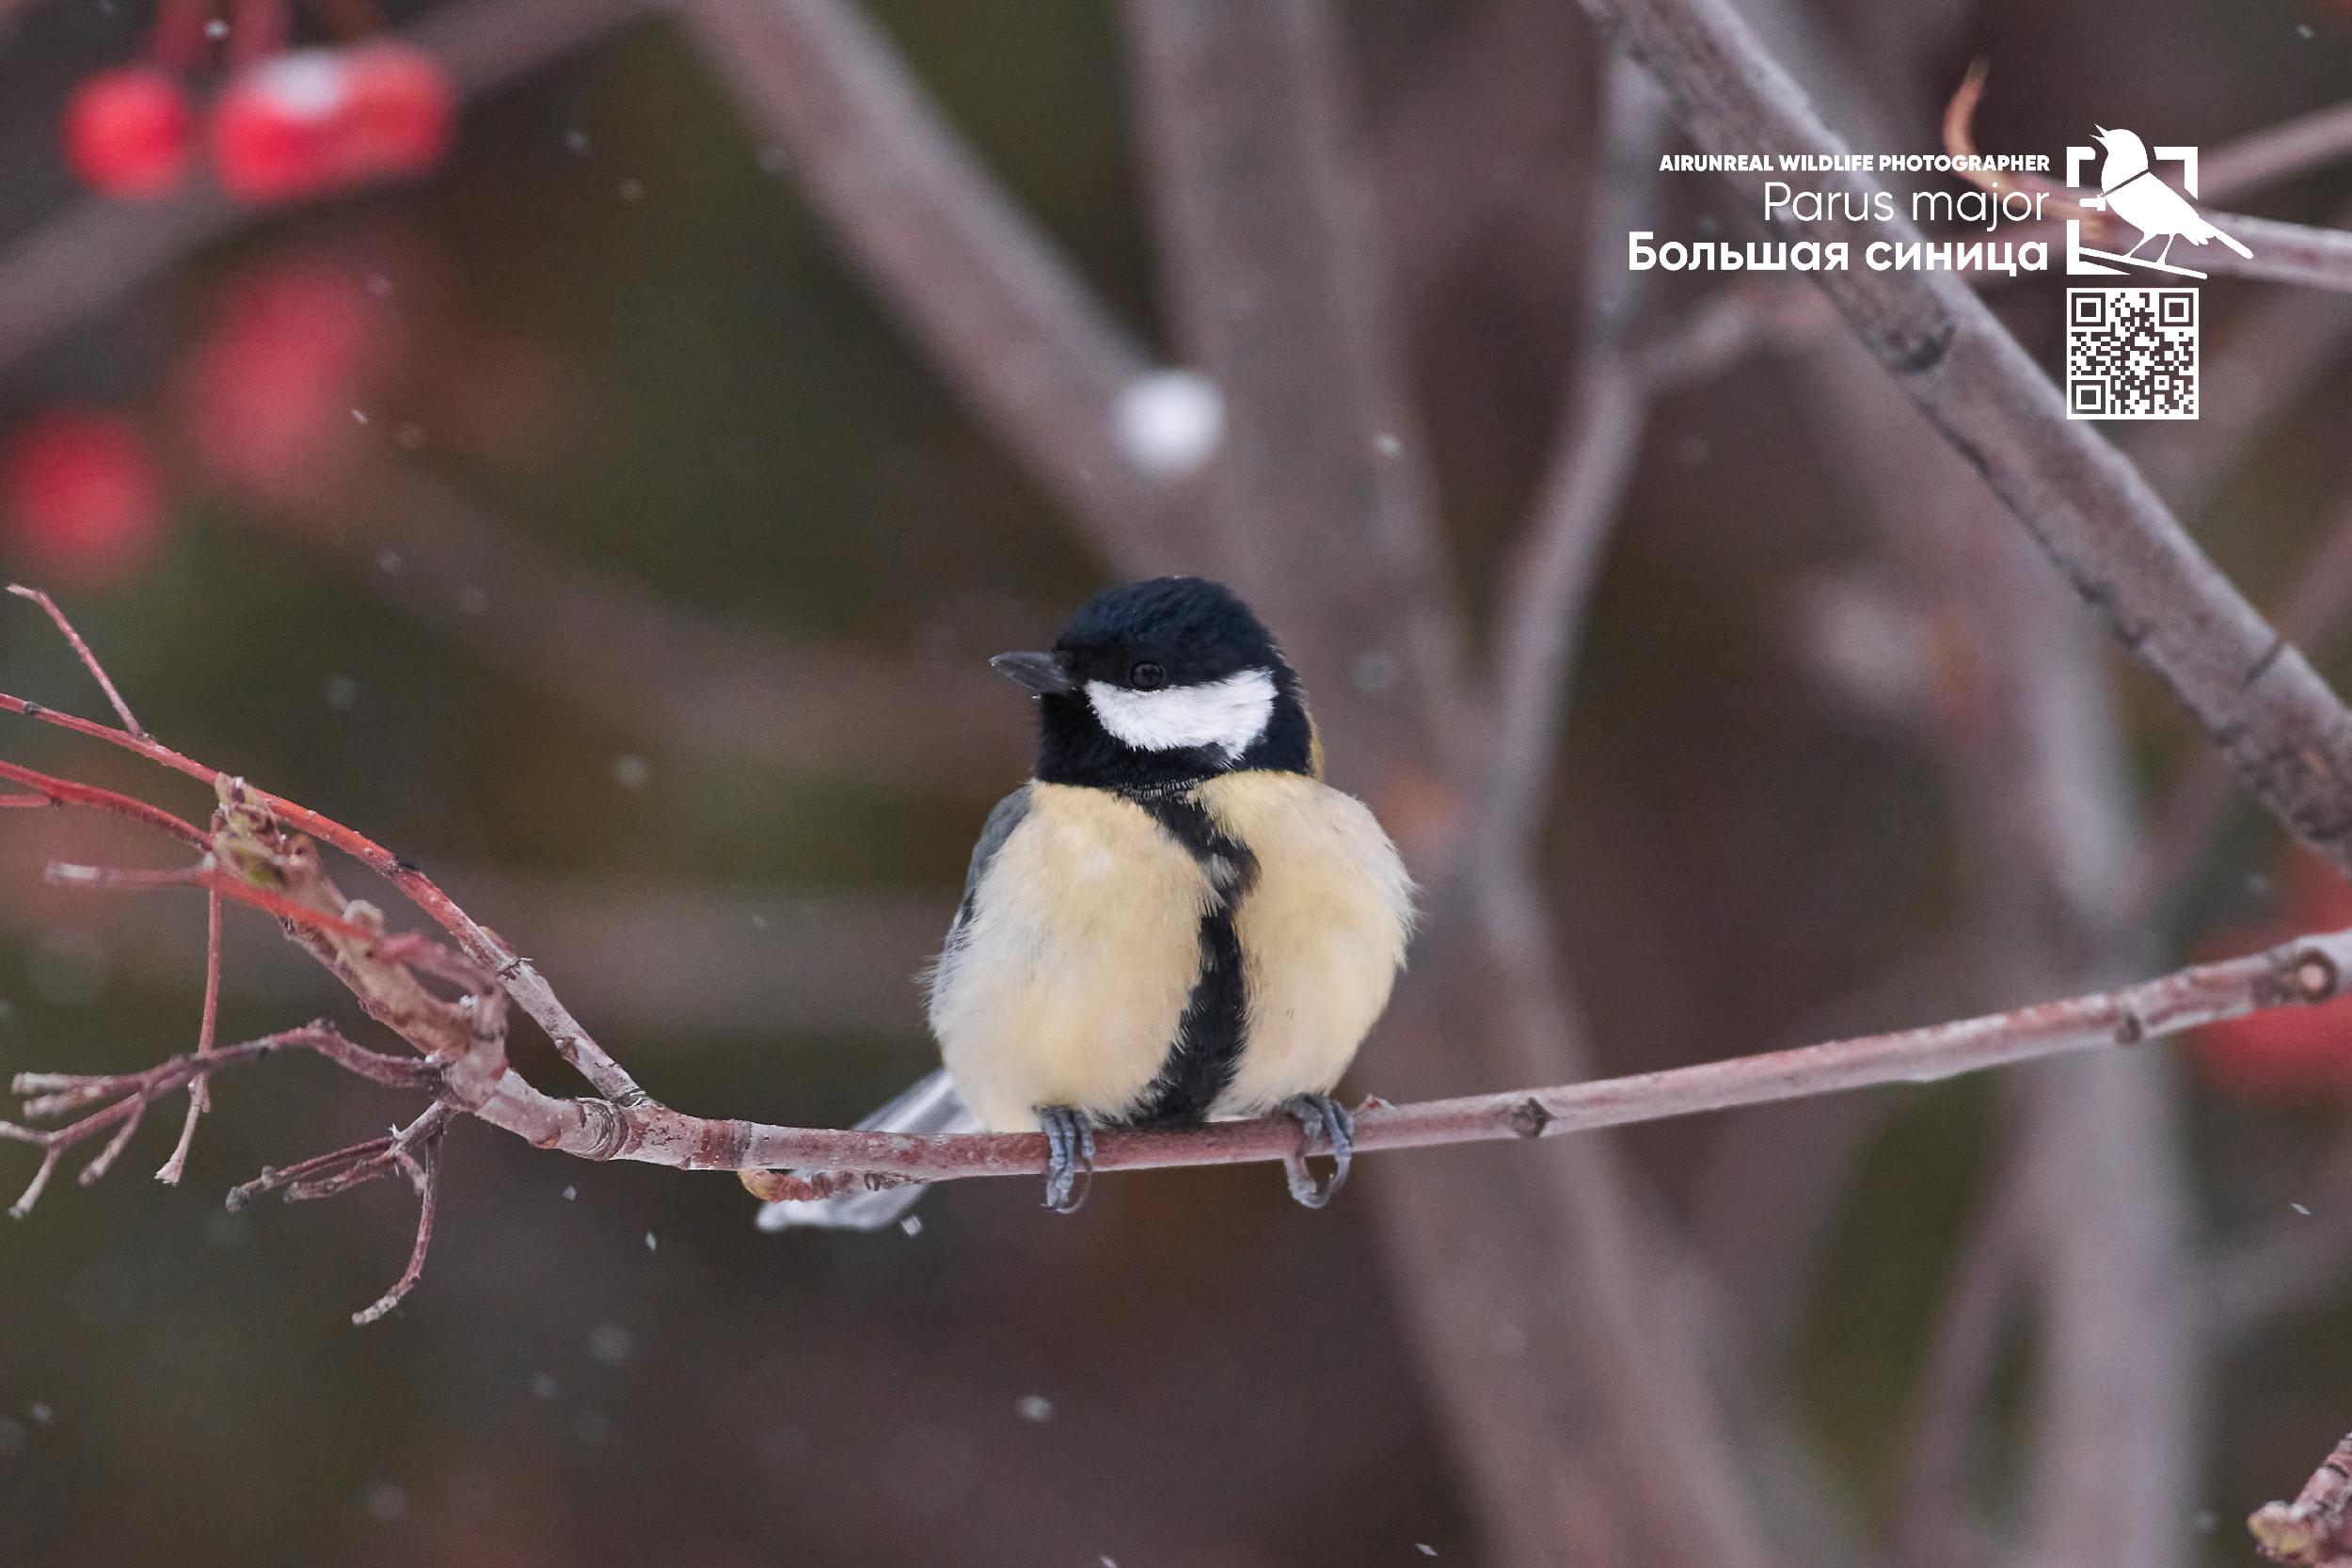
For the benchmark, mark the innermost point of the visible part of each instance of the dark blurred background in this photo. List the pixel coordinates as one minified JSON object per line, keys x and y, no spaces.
{"x":580,"y":520}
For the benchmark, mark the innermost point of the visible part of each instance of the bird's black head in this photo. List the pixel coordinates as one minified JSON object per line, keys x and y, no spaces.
{"x":1160,"y":684}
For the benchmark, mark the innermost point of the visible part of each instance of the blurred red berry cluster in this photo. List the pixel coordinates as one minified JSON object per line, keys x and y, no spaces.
{"x":293,"y":384}
{"x":264,"y":398}
{"x":282,"y":125}
{"x":2294,"y":1054}
{"x":318,"y":121}
{"x":84,"y":496}
{"x":269,"y":403}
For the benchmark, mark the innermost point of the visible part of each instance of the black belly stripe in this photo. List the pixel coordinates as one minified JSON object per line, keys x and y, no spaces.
{"x":1206,"y":1052}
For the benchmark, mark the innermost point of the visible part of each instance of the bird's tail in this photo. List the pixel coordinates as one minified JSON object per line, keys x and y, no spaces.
{"x":931,"y":1106}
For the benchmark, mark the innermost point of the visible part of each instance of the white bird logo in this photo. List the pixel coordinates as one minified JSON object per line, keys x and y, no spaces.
{"x":2129,"y":188}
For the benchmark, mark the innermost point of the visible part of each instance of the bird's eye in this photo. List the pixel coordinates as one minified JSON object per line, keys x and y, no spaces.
{"x":1147,"y":676}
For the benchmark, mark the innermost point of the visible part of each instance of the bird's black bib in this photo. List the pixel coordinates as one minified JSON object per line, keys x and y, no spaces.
{"x":1206,"y":1052}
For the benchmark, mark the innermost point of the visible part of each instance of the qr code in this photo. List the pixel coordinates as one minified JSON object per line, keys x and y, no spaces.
{"x":2130,"y":353}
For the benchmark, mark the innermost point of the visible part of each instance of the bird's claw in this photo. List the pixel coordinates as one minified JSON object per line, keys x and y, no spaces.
{"x":1069,"y":1157}
{"x":1318,"y":1112}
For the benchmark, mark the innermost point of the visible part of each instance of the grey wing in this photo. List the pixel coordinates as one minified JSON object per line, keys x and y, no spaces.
{"x":931,"y":1106}
{"x":999,"y":827}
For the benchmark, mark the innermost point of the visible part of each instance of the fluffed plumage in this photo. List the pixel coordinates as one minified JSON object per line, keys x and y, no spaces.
{"x":1176,"y":920}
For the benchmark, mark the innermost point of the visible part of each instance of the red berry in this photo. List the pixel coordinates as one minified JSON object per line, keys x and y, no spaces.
{"x":320,"y":119}
{"x":127,"y":132}
{"x":266,"y":394}
{"x":2294,"y":1054}
{"x":403,"y":109}
{"x":84,"y":500}
{"x":275,"y":127}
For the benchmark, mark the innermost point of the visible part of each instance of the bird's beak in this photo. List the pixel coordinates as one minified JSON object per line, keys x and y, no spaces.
{"x":2100,"y":135}
{"x":1040,"y":674}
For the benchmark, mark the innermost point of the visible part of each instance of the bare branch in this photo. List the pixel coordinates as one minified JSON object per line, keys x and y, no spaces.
{"x":255,"y":857}
{"x":2283,"y":252}
{"x":49,"y":790}
{"x":127,"y":1095}
{"x":81,"y":651}
{"x":413,"y":1151}
{"x":520,"y":978}
{"x":199,"y":1092}
{"x":2306,"y":972}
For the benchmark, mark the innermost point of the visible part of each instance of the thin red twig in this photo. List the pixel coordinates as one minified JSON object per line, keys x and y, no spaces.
{"x":66,"y":792}
{"x":413,"y":1151}
{"x":131,"y":1093}
{"x":81,"y":651}
{"x":520,"y":976}
{"x":199,"y":1092}
{"x":222,"y":885}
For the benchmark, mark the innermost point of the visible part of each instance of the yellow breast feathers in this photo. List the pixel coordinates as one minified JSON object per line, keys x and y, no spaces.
{"x":1065,"y":984}
{"x":1322,"y":931}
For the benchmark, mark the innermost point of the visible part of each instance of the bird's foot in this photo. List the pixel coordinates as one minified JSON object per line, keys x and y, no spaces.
{"x":1069,"y":1157}
{"x":1319,"y":1113}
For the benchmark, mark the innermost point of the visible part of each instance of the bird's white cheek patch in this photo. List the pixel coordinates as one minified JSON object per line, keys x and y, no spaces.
{"x":1227,"y":715}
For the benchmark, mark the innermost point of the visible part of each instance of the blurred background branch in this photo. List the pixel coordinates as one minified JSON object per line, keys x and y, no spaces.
{"x":1002,"y":314}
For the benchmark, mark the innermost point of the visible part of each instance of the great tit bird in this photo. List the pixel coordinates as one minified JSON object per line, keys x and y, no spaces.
{"x":1175,"y":921}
